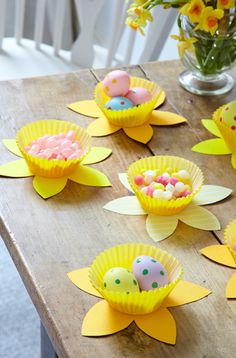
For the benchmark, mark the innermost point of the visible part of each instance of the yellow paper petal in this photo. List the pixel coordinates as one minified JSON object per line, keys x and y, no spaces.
{"x":96,"y":154}
{"x":127,"y":205}
{"x":233,"y":160}
{"x":160,"y":227}
{"x":159,"y":324}
{"x":231,"y":287}
{"x":102,"y":320}
{"x":47,"y":187}
{"x":16,"y":169}
{"x":212,"y":146}
{"x":87,"y":108}
{"x":185,"y":292}
{"x":11,"y":145}
{"x":211,"y":126}
{"x":219,"y":254}
{"x":199,"y":218}
{"x":89,"y":176}
{"x":162,"y":118}
{"x":209,"y":194}
{"x":161,"y":99}
{"x":141,"y":134}
{"x":80,"y":278}
{"x":101,"y":127}
{"x":124,"y":180}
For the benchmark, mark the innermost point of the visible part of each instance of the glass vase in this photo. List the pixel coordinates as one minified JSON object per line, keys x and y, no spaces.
{"x":210,"y":57}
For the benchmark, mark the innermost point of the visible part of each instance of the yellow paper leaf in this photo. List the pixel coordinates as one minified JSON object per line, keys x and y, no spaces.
{"x":101,"y":127}
{"x":80,"y":278}
{"x":211,"y":126}
{"x":15,"y":169}
{"x":89,"y":176}
{"x":209,"y":194}
{"x":159,"y":324}
{"x":185,"y":292}
{"x":219,"y":254}
{"x":87,"y":108}
{"x":11,"y":145}
{"x":127,"y":205}
{"x":102,"y":320}
{"x":124,"y":180}
{"x":212,"y":146}
{"x":96,"y":154}
{"x":141,"y":134}
{"x":231,"y":287}
{"x":161,"y":99}
{"x":162,"y":118}
{"x":233,"y":160}
{"x":160,"y":227}
{"x":47,"y":187}
{"x":199,"y":218}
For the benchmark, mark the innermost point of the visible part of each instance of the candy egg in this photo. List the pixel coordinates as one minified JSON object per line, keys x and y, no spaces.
{"x":138,"y":95}
{"x":149,"y":273}
{"x":120,"y":279}
{"x":118,"y":103}
{"x":116,"y":83}
{"x":228,"y":115}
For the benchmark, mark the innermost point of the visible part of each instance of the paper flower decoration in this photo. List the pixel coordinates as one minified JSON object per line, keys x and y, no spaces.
{"x":136,"y":122}
{"x":148,"y":309}
{"x":163,"y":215}
{"x":225,"y":255}
{"x":225,"y":143}
{"x":50,"y":177}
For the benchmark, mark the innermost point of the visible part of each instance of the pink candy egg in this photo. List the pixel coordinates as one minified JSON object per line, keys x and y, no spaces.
{"x":116,"y":83}
{"x":138,"y":95}
{"x":149,"y":273}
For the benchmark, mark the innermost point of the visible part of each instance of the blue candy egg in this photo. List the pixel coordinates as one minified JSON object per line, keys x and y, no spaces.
{"x":118,"y":103}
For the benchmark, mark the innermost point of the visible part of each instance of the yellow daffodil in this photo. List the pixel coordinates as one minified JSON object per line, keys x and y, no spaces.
{"x":209,"y":20}
{"x":225,"y":4}
{"x":138,"y":17}
{"x":193,"y":10}
{"x":184,"y":44}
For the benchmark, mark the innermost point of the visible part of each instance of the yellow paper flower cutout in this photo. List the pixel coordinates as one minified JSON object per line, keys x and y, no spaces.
{"x":159,"y":227}
{"x":110,"y":318}
{"x":143,"y":133}
{"x":49,"y":184}
{"x":225,"y":255}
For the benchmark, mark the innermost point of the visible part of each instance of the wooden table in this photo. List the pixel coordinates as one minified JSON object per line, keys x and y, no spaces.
{"x":47,"y":239}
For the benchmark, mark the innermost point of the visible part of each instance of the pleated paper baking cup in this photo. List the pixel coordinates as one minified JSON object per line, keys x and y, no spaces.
{"x":132,"y":117}
{"x":227,"y":133}
{"x":230,"y":237}
{"x":162,"y":163}
{"x":123,"y":256}
{"x":45,"y":167}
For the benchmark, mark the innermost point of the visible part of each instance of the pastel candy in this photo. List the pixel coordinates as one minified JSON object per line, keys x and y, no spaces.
{"x":149,"y":273}
{"x":228,"y":115}
{"x":118,"y":103}
{"x":116,"y":83}
{"x":119,"y":279}
{"x":138,"y":95}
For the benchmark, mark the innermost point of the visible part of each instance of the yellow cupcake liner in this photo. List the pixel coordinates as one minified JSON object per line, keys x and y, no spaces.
{"x":159,"y":206}
{"x":230,"y":237}
{"x":45,"y":167}
{"x":227,"y":133}
{"x":132,"y":117}
{"x":123,"y":255}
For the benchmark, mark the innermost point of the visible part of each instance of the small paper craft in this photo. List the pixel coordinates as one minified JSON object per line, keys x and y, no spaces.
{"x":163,"y":215}
{"x":131,"y":120}
{"x":225,"y":255}
{"x":50,"y":178}
{"x":118,"y":310}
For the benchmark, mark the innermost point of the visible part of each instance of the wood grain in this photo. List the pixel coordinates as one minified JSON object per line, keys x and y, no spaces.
{"x":47,"y":239}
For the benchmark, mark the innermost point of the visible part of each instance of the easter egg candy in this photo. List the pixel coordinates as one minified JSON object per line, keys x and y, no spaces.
{"x":228,"y":115}
{"x":119,"y":279}
{"x":149,"y":273}
{"x":116,"y":83}
{"x":118,"y":103}
{"x":138,"y":95}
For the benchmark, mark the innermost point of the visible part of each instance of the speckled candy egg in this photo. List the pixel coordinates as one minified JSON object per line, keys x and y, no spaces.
{"x":118,"y":103}
{"x":116,"y":83}
{"x":149,"y":273}
{"x":120,"y":279}
{"x":138,"y":95}
{"x":228,"y":115}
